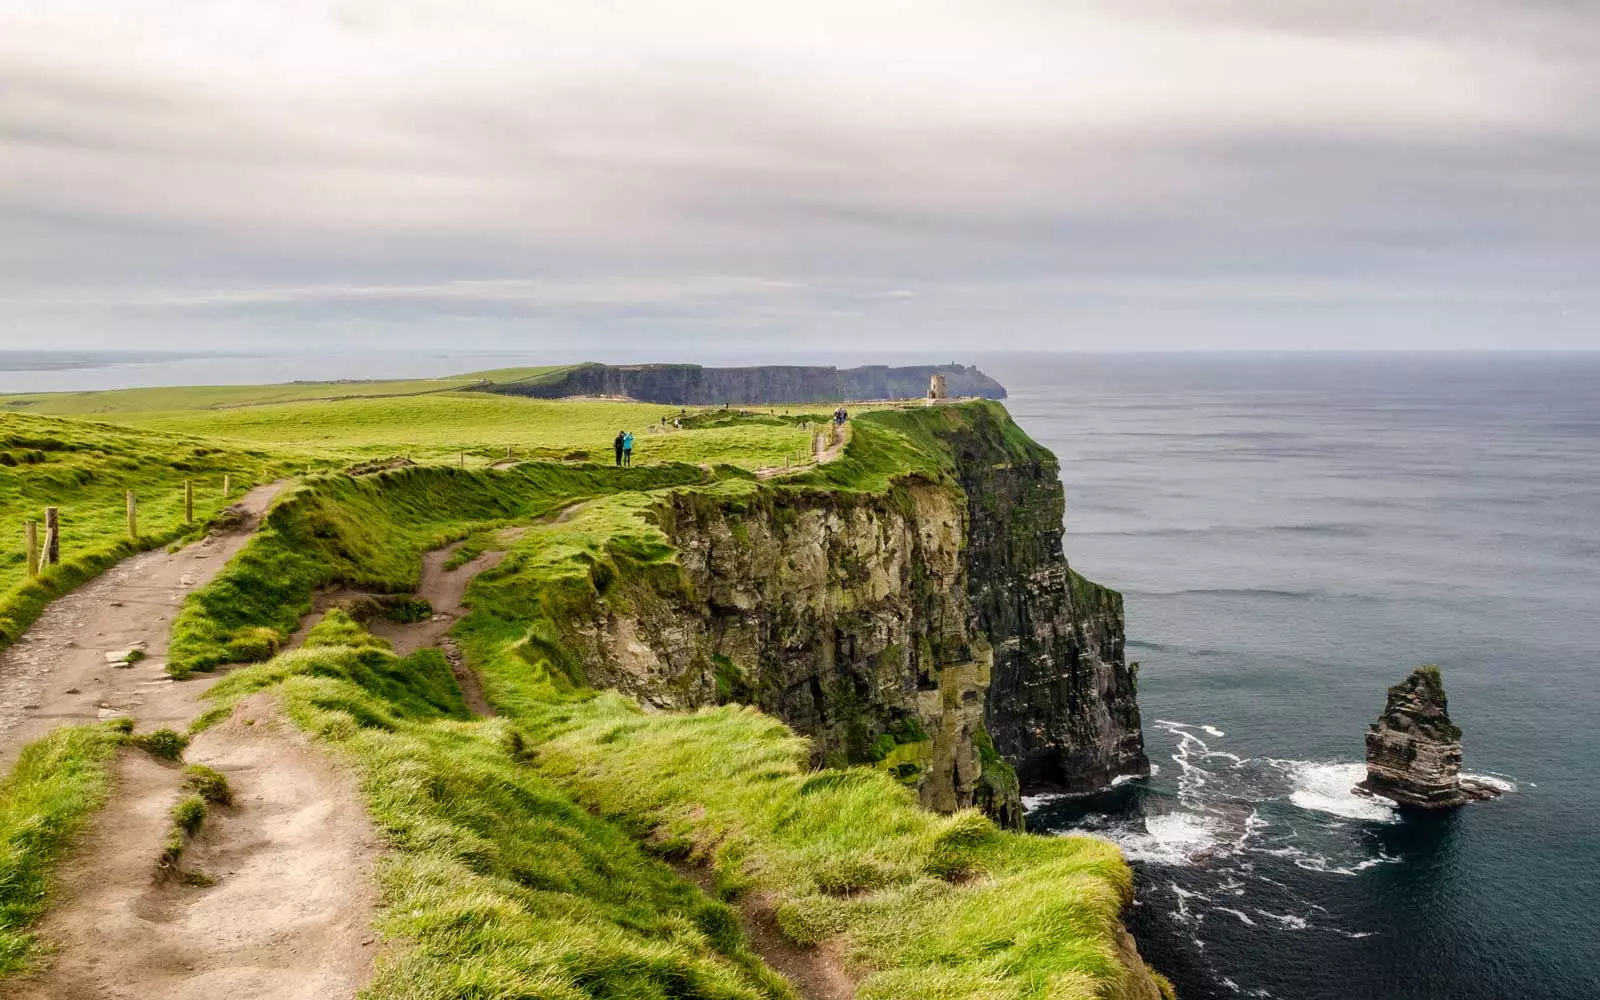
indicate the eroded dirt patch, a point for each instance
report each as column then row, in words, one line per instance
column 817, row 973
column 290, row 914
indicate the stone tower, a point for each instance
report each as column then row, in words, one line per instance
column 936, row 388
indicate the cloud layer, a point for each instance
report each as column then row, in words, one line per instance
column 1024, row 173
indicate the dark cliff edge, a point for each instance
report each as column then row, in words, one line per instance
column 693, row 385
column 907, row 607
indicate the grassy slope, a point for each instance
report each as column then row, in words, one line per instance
column 85, row 469
column 45, row 802
column 499, row 884
column 370, row 532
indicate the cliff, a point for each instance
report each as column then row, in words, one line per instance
column 932, row 627
column 692, row 385
column 1414, row 750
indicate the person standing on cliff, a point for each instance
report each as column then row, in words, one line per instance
column 616, row 446
column 627, row 447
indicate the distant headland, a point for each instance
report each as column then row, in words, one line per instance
column 694, row 385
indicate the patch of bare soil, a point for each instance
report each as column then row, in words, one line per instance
column 816, row 973
column 445, row 590
column 59, row 671
column 289, row 916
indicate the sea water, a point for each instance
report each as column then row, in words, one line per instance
column 1292, row 535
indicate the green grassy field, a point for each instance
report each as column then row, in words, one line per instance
column 439, row 427
column 250, row 433
column 111, row 403
column 85, row 469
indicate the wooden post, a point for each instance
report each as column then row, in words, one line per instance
column 188, row 501
column 227, row 485
column 52, row 535
column 133, row 517
column 463, row 460
column 508, row 453
column 30, row 531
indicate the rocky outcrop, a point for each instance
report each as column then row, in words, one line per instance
column 692, row 385
column 1414, row 750
column 934, row 630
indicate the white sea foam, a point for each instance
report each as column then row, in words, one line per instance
column 1287, row 920
column 1329, row 788
column 1176, row 838
column 1244, row 918
column 1313, row 862
column 1213, row 731
column 1493, row 781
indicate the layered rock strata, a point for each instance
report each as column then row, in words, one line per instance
column 1414, row 750
column 934, row 630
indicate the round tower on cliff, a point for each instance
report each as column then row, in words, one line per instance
column 936, row 388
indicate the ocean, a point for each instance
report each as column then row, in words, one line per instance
column 1292, row 535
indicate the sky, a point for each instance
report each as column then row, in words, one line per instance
column 939, row 175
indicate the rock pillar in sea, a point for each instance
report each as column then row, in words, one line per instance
column 1414, row 750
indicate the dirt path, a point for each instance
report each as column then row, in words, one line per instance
column 445, row 590
column 57, row 672
column 290, row 914
column 827, row 454
column 816, row 973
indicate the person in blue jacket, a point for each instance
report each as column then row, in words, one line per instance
column 627, row 447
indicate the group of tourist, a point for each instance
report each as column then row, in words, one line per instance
column 623, row 446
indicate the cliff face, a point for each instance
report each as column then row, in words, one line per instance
column 934, row 631
column 1414, row 750
column 692, row 385
column 1061, row 705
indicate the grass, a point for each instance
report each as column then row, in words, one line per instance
column 497, row 884
column 46, row 801
column 85, row 470
column 370, row 532
column 112, row 403
column 438, row 428
column 209, row 784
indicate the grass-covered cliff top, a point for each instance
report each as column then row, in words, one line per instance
column 526, row 851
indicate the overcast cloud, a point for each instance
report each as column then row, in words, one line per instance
column 839, row 173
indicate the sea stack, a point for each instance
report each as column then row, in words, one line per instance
column 1414, row 750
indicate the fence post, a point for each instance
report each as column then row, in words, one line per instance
column 188, row 501
column 508, row 453
column 30, row 531
column 52, row 535
column 227, row 485
column 463, row 462
column 133, row 517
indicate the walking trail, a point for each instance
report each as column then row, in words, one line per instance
column 274, row 900
column 57, row 672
